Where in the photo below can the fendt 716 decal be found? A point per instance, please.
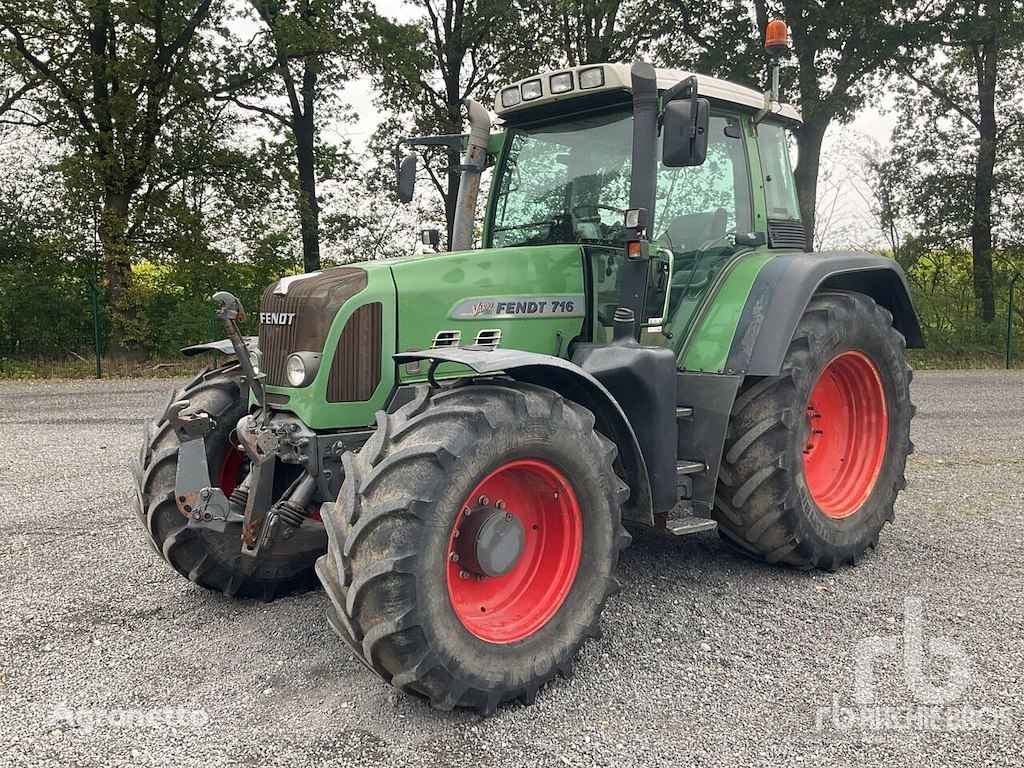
(510, 307)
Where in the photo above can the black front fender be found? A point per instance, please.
(572, 383)
(784, 287)
(223, 346)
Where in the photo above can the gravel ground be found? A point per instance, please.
(706, 659)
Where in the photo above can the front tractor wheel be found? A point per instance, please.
(474, 543)
(209, 558)
(815, 456)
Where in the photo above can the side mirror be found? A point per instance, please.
(684, 133)
(407, 177)
(431, 238)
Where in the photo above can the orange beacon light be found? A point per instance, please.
(776, 37)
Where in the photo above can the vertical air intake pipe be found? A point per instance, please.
(473, 161)
(645, 138)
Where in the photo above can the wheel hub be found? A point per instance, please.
(490, 541)
(514, 551)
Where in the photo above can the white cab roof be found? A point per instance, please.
(617, 77)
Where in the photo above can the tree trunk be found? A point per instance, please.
(308, 206)
(986, 57)
(304, 127)
(113, 231)
(451, 196)
(453, 90)
(808, 143)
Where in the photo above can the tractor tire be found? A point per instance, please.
(815, 456)
(211, 559)
(400, 596)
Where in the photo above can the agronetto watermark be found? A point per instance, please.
(92, 718)
(936, 694)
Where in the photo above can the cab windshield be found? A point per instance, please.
(568, 182)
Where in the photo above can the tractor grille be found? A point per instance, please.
(299, 319)
(355, 370)
(785, 233)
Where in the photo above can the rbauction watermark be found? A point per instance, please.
(936, 698)
(90, 718)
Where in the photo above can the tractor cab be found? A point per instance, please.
(564, 173)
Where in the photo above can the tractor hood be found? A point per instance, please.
(350, 321)
(522, 298)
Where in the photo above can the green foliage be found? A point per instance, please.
(940, 284)
(956, 157)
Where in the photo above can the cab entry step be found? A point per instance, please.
(689, 467)
(686, 525)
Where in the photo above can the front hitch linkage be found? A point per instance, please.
(204, 504)
(230, 311)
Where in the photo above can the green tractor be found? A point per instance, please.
(451, 442)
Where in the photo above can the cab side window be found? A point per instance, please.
(700, 206)
(698, 211)
(779, 189)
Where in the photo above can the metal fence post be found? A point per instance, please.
(96, 329)
(1009, 321)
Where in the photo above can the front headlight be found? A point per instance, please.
(255, 360)
(301, 367)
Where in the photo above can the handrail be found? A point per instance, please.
(1009, 318)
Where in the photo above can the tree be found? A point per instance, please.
(592, 31)
(115, 77)
(303, 47)
(840, 47)
(712, 37)
(425, 68)
(967, 86)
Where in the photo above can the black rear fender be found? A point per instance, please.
(784, 287)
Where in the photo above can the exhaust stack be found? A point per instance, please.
(473, 161)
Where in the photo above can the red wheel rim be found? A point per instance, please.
(848, 425)
(512, 607)
(231, 474)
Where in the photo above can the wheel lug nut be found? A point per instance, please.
(508, 517)
(483, 501)
(463, 574)
(481, 577)
(555, 494)
(454, 557)
(499, 504)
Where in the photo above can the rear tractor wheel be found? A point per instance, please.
(815, 456)
(209, 558)
(474, 543)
